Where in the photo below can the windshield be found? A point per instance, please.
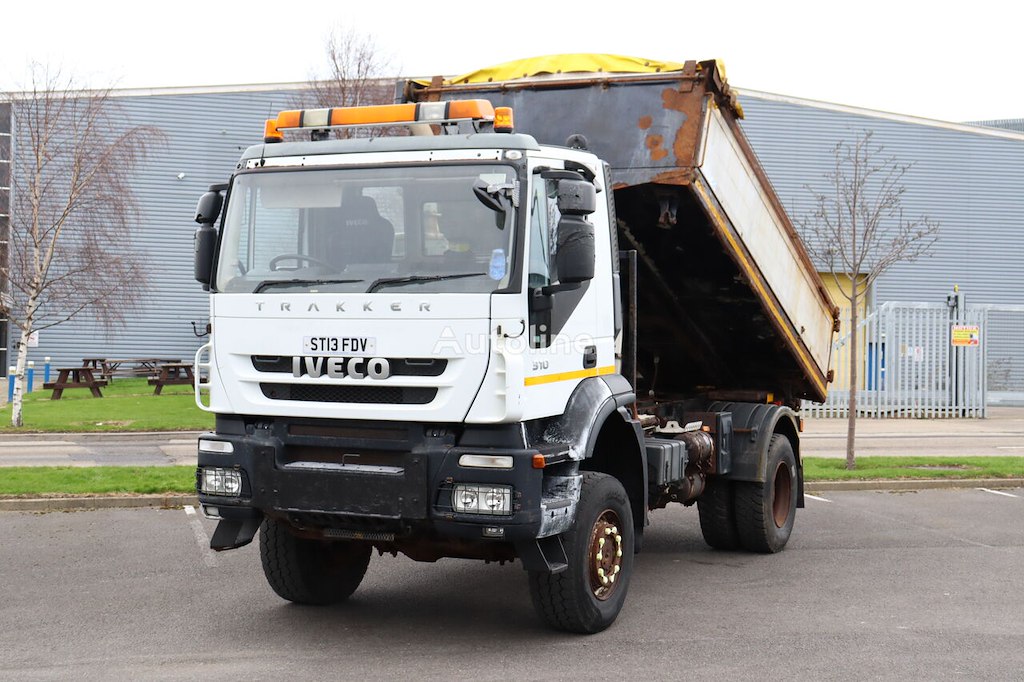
(431, 229)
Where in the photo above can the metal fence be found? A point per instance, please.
(1004, 339)
(923, 360)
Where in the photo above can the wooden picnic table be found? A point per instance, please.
(140, 366)
(75, 377)
(170, 373)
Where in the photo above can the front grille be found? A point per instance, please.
(400, 367)
(381, 395)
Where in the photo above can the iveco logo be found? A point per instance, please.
(339, 368)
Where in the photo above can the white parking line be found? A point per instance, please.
(999, 492)
(202, 539)
(819, 499)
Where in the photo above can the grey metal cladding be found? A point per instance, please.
(1015, 124)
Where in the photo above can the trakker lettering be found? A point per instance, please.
(339, 368)
(339, 307)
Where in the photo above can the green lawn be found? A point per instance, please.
(826, 469)
(126, 405)
(33, 481)
(112, 480)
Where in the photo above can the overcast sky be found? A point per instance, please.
(942, 60)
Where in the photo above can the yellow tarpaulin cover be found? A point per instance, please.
(564, 63)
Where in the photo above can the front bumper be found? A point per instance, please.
(384, 482)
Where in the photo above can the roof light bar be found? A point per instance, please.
(379, 115)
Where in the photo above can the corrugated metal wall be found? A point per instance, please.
(205, 134)
(1016, 124)
(970, 181)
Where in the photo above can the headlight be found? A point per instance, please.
(217, 481)
(475, 498)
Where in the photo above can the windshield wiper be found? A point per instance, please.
(267, 283)
(417, 279)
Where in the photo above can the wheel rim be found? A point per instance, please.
(605, 556)
(783, 491)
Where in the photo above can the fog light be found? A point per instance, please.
(217, 481)
(211, 512)
(475, 498)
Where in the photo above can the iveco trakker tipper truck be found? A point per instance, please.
(562, 296)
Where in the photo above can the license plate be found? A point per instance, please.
(360, 345)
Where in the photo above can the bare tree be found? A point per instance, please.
(858, 229)
(72, 211)
(356, 75)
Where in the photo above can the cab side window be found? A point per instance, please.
(543, 223)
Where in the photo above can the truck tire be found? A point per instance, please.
(310, 571)
(718, 515)
(765, 511)
(588, 595)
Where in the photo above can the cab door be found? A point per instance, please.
(563, 339)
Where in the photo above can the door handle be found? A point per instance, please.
(590, 357)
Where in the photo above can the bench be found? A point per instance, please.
(171, 373)
(75, 377)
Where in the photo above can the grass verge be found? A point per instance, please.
(51, 481)
(113, 480)
(895, 468)
(126, 405)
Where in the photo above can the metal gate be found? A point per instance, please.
(915, 360)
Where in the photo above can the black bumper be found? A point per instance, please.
(375, 480)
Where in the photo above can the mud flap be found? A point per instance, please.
(234, 533)
(544, 555)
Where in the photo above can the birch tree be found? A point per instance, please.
(358, 73)
(858, 229)
(72, 211)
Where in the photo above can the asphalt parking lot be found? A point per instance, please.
(874, 585)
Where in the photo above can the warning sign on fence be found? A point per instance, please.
(966, 335)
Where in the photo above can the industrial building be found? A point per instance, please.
(969, 178)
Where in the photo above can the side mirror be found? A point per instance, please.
(205, 239)
(576, 197)
(208, 209)
(205, 244)
(574, 259)
(575, 256)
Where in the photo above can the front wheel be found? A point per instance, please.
(310, 571)
(588, 595)
(765, 511)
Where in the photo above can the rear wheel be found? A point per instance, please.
(765, 511)
(718, 515)
(310, 571)
(588, 595)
